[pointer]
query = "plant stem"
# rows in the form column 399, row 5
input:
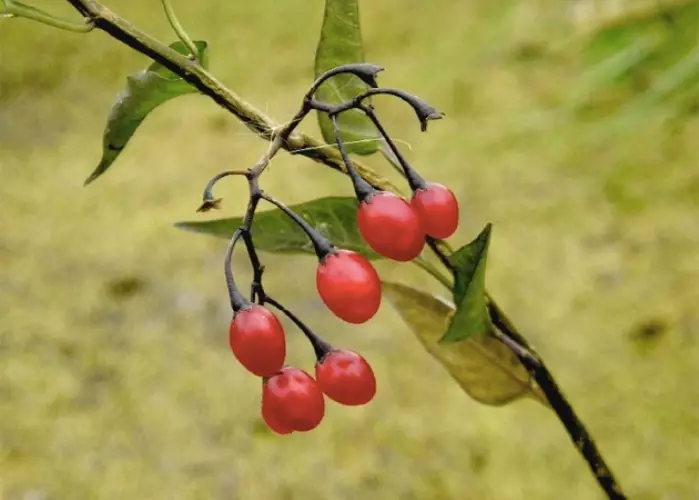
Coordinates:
column 18, row 9
column 433, row 271
column 200, row 78
column 179, row 30
column 307, row 146
column 576, row 429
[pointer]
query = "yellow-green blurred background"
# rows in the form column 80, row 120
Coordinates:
column 116, row 380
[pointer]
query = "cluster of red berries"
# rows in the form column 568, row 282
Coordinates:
column 292, row 400
column 347, row 283
column 396, row 228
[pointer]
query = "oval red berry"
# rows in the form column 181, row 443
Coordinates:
column 349, row 286
column 391, row 227
column 438, row 209
column 271, row 416
column 344, row 376
column 296, row 399
column 257, row 340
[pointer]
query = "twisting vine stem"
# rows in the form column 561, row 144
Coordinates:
column 285, row 138
column 179, row 30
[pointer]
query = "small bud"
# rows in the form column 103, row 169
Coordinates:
column 214, row 204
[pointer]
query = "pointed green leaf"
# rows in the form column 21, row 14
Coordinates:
column 471, row 317
column 341, row 43
column 143, row 93
column 486, row 370
column 335, row 217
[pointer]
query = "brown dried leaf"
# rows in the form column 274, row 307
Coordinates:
column 485, row 369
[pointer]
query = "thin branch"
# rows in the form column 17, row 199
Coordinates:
column 200, row 78
column 15, row 8
column 576, row 429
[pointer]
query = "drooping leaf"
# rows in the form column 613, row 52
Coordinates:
column 485, row 369
column 341, row 43
column 273, row 231
column 144, row 92
column 471, row 317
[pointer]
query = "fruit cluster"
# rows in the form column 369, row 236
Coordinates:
column 347, row 283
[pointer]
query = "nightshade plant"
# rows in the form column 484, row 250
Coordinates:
column 376, row 222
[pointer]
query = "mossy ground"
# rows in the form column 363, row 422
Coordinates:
column 115, row 377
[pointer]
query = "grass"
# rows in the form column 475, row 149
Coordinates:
column 116, row 381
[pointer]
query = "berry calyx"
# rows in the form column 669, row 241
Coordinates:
column 438, row 209
column 390, row 226
column 294, row 398
column 349, row 286
column 346, row 377
column 270, row 414
column 257, row 340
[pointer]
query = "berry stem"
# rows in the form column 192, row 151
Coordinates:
column 320, row 347
column 257, row 291
column 321, row 244
column 415, row 181
column 208, row 199
column 365, row 71
column 362, row 188
column 238, row 302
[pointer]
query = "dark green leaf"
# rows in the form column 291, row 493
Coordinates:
column 341, row 43
column 486, row 370
column 143, row 93
column 471, row 317
column 273, row 231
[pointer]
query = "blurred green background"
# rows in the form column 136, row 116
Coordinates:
column 115, row 376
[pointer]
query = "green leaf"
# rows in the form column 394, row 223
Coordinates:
column 144, row 92
column 471, row 317
column 341, row 43
column 273, row 231
column 486, row 370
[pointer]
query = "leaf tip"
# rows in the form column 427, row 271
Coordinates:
column 91, row 178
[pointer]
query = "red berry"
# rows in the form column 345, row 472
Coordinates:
column 438, row 209
column 349, row 286
column 257, row 340
column 270, row 414
column 295, row 399
column 346, row 377
column 391, row 227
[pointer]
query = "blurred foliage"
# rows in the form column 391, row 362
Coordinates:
column 115, row 377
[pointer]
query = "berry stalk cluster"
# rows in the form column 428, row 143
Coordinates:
column 347, row 283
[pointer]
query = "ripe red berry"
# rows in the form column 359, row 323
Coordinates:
column 344, row 376
column 438, row 209
column 349, row 286
column 270, row 414
column 295, row 399
column 391, row 227
column 257, row 340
